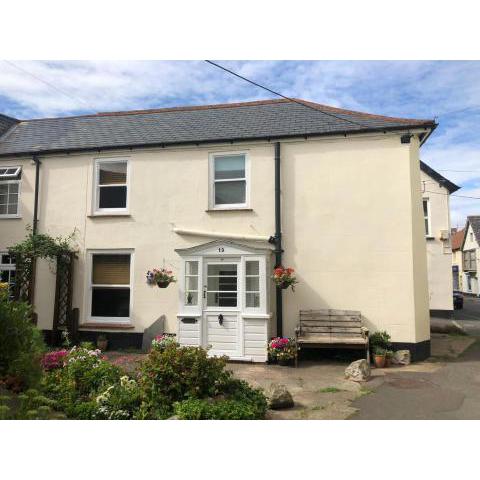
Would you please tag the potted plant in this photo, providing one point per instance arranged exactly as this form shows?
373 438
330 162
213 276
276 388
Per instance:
379 355
380 339
160 277
102 342
283 350
284 277
160 342
388 358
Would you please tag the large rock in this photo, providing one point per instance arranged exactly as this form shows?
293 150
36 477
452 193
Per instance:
358 371
401 357
279 397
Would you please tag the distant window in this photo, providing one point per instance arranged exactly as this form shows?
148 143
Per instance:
9 191
229 181
111 186
7 270
471 236
426 216
191 283
469 260
110 286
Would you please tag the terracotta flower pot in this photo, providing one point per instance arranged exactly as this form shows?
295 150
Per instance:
163 284
285 362
388 361
379 361
102 344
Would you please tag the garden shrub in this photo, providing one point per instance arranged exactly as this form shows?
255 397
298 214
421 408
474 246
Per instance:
189 383
120 401
83 377
173 374
21 344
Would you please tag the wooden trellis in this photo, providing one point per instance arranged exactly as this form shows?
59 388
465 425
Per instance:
62 313
23 289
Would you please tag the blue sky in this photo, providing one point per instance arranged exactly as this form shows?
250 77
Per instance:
421 89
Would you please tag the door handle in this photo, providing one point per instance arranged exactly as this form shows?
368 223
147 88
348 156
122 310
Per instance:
220 319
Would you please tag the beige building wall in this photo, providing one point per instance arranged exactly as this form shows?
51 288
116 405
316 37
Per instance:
352 225
470 243
439 252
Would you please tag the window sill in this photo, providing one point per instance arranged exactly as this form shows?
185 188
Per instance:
429 237
230 209
109 214
10 217
113 326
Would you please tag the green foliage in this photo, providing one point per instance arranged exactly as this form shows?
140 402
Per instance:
378 350
380 339
330 390
120 401
201 409
175 374
80 381
30 405
21 344
40 245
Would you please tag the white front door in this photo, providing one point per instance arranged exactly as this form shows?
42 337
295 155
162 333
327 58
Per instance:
221 314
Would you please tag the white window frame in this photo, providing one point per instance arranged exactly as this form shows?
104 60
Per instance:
10 179
263 284
96 187
212 181
7 267
90 285
428 218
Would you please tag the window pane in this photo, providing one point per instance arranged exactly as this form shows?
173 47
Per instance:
229 166
110 302
425 208
426 226
253 284
226 269
3 188
191 298
191 268
13 188
111 269
230 192
252 267
3 199
3 209
191 283
113 172
12 209
253 300
222 299
113 197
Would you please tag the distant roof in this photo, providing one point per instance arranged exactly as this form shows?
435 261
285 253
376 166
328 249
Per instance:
444 182
6 123
266 119
457 239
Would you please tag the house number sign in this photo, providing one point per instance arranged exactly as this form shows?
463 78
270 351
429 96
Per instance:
221 249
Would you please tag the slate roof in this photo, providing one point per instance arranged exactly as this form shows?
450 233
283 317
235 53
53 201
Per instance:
457 239
272 119
6 123
445 182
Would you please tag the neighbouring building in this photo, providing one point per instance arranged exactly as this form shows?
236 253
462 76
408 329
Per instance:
457 259
436 191
220 194
471 255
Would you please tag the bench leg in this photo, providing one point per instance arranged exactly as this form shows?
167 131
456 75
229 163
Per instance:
296 359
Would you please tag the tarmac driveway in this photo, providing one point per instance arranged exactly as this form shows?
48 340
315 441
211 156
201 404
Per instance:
449 392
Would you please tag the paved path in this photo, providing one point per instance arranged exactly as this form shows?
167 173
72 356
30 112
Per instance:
450 392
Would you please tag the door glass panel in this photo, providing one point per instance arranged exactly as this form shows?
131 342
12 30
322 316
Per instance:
252 284
222 285
253 300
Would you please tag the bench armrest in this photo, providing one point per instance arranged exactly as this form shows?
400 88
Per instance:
298 331
365 332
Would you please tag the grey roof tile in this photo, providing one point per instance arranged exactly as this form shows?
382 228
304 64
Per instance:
210 123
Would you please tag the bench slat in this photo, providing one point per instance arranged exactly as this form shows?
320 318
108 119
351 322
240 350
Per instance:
334 340
330 311
334 318
324 323
332 328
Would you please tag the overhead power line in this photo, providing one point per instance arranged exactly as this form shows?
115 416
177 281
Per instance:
292 99
45 82
452 195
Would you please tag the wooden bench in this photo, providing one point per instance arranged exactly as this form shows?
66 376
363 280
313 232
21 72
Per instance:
331 329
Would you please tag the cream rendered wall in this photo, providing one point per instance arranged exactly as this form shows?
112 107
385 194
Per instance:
167 188
439 252
352 225
353 230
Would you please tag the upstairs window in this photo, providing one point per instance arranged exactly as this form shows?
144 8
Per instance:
470 260
7 270
426 217
229 183
111 186
10 191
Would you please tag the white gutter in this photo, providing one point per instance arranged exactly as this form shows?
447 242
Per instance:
233 236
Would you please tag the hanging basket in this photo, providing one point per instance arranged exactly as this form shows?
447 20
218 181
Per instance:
163 284
284 285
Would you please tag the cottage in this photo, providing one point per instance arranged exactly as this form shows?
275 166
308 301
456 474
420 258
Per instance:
457 259
471 255
221 194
